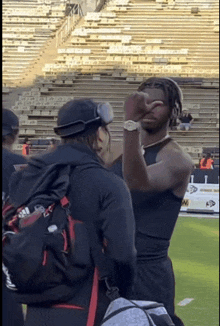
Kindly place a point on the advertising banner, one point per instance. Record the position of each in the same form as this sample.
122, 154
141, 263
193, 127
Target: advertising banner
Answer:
202, 196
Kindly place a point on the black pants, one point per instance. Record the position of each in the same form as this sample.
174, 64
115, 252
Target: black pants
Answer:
11, 311
67, 316
155, 282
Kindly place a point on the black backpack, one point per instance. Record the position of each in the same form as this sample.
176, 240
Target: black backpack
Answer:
45, 251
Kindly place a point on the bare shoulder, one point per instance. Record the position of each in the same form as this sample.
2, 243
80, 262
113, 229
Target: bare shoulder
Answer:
174, 156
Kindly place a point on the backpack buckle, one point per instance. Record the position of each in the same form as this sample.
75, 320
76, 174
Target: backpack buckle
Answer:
112, 291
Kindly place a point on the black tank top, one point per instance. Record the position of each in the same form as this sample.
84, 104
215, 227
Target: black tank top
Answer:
155, 213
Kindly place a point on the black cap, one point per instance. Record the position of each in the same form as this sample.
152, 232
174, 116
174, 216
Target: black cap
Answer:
74, 116
10, 122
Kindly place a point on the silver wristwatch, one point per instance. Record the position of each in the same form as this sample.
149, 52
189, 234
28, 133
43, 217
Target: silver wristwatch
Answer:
131, 125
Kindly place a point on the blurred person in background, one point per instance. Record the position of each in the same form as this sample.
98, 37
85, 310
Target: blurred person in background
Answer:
53, 144
11, 311
26, 147
206, 162
186, 120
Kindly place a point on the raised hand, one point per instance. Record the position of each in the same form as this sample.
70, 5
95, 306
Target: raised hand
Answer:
136, 106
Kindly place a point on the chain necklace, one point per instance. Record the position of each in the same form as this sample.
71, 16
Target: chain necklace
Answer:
157, 142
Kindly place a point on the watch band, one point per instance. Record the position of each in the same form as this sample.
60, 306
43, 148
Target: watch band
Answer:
131, 125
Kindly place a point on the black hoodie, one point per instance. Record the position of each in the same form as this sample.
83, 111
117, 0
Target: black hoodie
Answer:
98, 197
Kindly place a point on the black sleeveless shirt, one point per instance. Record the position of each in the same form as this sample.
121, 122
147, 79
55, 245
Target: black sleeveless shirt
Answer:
155, 213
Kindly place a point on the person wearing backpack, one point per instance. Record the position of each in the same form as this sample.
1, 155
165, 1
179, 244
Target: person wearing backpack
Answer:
99, 199
11, 311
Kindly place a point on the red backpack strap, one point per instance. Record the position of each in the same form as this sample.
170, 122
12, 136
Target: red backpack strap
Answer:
94, 299
8, 208
95, 286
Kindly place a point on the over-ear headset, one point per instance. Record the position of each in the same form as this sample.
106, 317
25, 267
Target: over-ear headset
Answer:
103, 115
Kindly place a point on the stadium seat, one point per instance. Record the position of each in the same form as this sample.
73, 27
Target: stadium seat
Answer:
129, 39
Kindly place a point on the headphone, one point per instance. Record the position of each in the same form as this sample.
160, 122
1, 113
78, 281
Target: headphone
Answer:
103, 114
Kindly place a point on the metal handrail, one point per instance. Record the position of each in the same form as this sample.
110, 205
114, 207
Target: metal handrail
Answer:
68, 25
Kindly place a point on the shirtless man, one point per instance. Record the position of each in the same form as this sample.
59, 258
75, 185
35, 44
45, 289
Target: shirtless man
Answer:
157, 172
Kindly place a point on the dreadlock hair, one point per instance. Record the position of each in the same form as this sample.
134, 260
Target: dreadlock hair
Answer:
171, 90
89, 140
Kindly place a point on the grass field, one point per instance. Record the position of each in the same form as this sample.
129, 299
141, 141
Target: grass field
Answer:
194, 251
195, 255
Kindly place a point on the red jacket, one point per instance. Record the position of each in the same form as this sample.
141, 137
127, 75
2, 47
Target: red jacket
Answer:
209, 164
26, 149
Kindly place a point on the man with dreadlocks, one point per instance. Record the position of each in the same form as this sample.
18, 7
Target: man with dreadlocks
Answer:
157, 172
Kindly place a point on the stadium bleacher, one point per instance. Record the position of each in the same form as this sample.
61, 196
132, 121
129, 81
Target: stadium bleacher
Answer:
138, 46
40, 109
110, 52
26, 28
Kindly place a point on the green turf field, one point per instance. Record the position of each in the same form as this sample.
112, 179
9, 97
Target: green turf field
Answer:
194, 251
195, 256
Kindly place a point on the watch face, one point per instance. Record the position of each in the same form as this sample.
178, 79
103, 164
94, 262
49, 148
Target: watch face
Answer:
130, 125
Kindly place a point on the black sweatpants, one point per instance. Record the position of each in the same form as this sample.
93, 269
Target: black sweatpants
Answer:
67, 315
155, 282
12, 314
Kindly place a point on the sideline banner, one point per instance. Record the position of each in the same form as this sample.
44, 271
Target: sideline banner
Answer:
201, 196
